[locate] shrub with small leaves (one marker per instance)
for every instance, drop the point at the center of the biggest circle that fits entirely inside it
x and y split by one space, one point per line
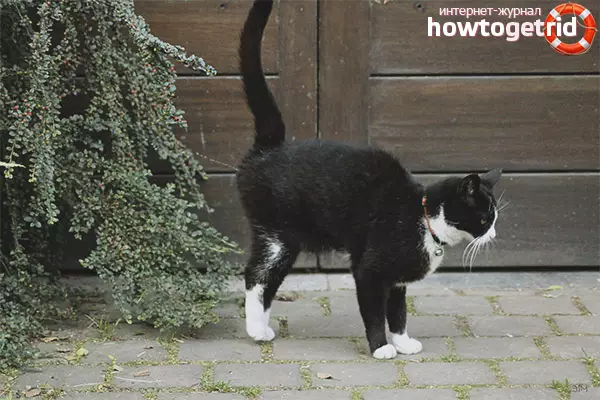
86 102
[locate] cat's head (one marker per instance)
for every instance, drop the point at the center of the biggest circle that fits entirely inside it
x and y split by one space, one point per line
467 208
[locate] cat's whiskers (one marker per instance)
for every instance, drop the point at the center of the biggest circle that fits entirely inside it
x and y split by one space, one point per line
501 196
502 207
469 250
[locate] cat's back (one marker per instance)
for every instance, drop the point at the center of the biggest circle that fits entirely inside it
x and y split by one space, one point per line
325 159
318 173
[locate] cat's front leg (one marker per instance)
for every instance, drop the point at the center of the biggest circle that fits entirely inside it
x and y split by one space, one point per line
396 315
371 300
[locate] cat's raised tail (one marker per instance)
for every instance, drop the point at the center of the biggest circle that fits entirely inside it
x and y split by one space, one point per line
270 129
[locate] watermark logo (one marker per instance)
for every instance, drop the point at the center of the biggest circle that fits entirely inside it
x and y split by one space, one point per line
555 27
553 31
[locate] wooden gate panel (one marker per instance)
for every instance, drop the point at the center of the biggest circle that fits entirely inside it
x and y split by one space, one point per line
532 123
401 45
207 28
553 220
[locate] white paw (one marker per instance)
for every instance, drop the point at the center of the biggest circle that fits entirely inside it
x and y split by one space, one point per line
385 352
406 345
260 333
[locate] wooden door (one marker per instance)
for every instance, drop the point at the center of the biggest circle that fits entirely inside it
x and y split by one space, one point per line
364 72
453 105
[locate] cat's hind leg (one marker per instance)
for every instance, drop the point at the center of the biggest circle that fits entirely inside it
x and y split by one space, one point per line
270 261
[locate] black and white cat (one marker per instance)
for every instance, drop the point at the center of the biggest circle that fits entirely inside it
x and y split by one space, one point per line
317 196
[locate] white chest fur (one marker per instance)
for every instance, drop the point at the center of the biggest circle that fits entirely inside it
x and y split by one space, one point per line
430 248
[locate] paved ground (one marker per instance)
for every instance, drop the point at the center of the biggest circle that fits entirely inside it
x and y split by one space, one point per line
485 336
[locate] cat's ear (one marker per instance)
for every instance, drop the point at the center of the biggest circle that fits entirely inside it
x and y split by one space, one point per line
469 185
492 177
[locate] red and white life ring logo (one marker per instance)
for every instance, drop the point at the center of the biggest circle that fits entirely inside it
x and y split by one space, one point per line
589 25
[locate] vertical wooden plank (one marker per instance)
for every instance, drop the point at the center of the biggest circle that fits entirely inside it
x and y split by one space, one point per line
297 90
344 44
298 67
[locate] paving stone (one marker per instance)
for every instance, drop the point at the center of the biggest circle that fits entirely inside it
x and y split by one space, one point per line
513 394
301 307
432 348
574 346
164 376
200 396
538 305
104 396
431 326
459 305
583 324
224 349
69 377
228 308
324 394
496 347
410 394
326 326
236 285
136 331
344 303
499 292
287 375
226 328
129 351
316 349
544 372
585 393
54 351
591 301
504 326
463 373
304 282
363 374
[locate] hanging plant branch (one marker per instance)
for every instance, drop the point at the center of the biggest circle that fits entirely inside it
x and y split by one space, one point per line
84 106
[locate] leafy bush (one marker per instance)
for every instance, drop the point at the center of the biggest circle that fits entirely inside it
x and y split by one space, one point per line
86 101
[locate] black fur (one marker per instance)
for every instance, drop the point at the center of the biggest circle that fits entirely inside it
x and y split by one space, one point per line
316 196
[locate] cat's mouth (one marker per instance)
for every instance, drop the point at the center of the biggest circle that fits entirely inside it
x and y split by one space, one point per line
479 243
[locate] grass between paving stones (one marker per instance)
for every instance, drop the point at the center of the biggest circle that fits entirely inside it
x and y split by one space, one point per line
284 328
325 305
150 394
563 389
266 351
553 325
105 328
51 393
306 376
171 344
410 305
540 342
462 324
497 309
356 394
207 384
452 356
402 377
462 392
591 367
494 366
580 306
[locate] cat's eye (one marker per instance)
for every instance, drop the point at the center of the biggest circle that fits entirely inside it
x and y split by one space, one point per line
483 221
